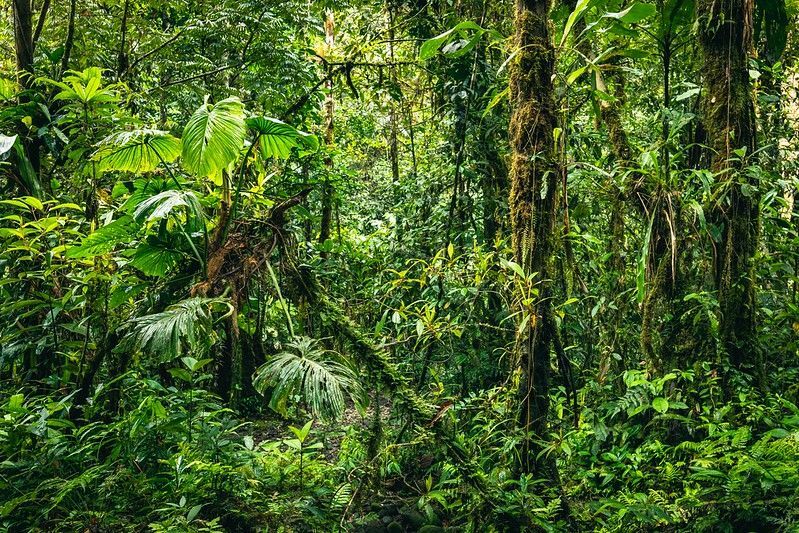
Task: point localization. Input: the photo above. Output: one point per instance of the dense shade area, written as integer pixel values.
(399, 265)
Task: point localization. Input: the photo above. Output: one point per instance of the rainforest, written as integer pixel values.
(387, 266)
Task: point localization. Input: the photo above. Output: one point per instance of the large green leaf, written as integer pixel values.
(154, 258)
(431, 46)
(276, 138)
(575, 15)
(635, 13)
(137, 151)
(213, 137)
(162, 204)
(104, 239)
(185, 325)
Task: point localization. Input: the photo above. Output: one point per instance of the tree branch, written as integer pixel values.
(40, 22)
(158, 48)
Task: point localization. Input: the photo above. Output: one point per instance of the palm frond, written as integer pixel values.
(321, 377)
(162, 204)
(187, 325)
(276, 138)
(137, 151)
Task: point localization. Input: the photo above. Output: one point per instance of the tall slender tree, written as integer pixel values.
(329, 108)
(725, 38)
(533, 179)
(22, 12)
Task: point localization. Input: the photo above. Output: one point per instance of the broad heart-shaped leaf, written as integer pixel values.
(153, 258)
(104, 239)
(213, 137)
(276, 138)
(6, 143)
(137, 151)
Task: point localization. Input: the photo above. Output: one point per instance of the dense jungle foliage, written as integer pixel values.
(399, 265)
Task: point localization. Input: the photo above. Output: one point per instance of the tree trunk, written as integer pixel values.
(22, 12)
(227, 353)
(70, 40)
(533, 180)
(122, 56)
(327, 189)
(725, 38)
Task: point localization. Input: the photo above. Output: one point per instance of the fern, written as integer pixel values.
(633, 401)
(341, 497)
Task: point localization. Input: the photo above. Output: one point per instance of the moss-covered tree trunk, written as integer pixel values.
(329, 106)
(533, 180)
(725, 38)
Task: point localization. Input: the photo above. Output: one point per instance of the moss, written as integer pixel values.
(725, 31)
(533, 178)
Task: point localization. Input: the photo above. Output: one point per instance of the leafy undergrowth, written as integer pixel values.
(665, 454)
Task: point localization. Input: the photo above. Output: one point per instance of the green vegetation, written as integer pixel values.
(399, 266)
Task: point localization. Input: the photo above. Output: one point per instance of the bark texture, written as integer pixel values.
(725, 37)
(533, 178)
(22, 13)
